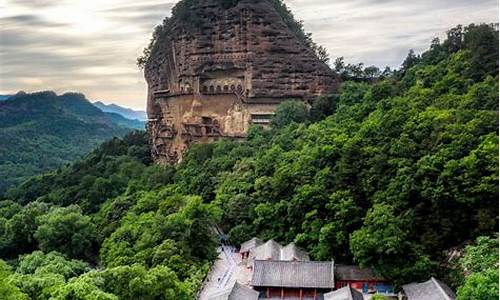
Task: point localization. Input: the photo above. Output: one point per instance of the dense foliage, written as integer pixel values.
(403, 170)
(111, 226)
(391, 174)
(480, 263)
(42, 131)
(360, 73)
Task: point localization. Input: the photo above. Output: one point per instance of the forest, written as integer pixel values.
(396, 172)
(42, 131)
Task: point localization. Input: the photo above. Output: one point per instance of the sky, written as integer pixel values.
(91, 46)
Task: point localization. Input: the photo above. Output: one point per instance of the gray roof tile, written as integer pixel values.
(236, 292)
(292, 252)
(249, 245)
(345, 293)
(293, 274)
(351, 272)
(432, 289)
(272, 250)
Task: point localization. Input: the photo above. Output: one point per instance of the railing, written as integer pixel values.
(169, 94)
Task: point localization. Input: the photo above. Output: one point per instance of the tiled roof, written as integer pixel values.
(345, 293)
(293, 274)
(292, 252)
(348, 272)
(268, 251)
(236, 292)
(432, 289)
(272, 250)
(248, 245)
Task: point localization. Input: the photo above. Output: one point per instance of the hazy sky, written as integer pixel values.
(91, 46)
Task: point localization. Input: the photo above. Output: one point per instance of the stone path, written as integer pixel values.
(225, 271)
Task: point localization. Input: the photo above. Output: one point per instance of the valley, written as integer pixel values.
(261, 171)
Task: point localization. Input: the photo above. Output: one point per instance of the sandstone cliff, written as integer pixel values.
(216, 68)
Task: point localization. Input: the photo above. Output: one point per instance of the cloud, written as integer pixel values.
(145, 14)
(380, 32)
(28, 20)
(35, 3)
(91, 45)
(142, 8)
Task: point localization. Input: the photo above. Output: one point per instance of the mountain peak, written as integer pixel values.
(216, 67)
(40, 131)
(123, 111)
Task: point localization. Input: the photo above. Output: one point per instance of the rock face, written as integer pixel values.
(213, 77)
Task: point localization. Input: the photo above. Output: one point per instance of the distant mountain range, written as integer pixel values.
(125, 112)
(42, 131)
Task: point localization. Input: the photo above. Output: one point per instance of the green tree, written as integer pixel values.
(66, 230)
(383, 243)
(483, 41)
(20, 229)
(382, 238)
(480, 286)
(344, 217)
(411, 60)
(9, 208)
(137, 282)
(38, 286)
(176, 225)
(480, 264)
(9, 291)
(52, 262)
(481, 256)
(323, 107)
(86, 287)
(289, 112)
(38, 274)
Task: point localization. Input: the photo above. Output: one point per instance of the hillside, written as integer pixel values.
(42, 131)
(391, 174)
(123, 111)
(122, 121)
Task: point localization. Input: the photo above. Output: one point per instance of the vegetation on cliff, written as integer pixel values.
(391, 174)
(184, 13)
(42, 131)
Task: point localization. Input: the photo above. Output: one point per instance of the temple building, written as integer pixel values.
(293, 279)
(249, 245)
(345, 293)
(236, 292)
(432, 289)
(362, 279)
(272, 250)
(286, 272)
(268, 270)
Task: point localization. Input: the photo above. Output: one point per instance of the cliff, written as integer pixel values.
(218, 66)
